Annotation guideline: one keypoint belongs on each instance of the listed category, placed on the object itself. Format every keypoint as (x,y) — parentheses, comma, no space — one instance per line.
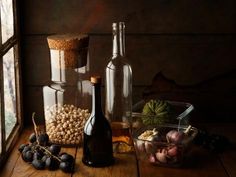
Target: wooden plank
(16,167)
(23,169)
(183,16)
(125,166)
(47,173)
(228,157)
(33,101)
(201,163)
(35,52)
(187,60)
(216,92)
(11,162)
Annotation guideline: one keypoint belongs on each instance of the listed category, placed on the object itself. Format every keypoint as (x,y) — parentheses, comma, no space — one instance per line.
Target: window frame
(13,42)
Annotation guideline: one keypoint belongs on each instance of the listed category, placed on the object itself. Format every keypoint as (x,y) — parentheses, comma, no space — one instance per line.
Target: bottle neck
(118,39)
(122,38)
(96,99)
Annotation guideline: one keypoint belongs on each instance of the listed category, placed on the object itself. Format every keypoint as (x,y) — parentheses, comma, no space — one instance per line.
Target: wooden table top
(201,164)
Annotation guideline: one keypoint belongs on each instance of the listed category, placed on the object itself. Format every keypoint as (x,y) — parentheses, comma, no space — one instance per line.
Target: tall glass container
(67,100)
(118,90)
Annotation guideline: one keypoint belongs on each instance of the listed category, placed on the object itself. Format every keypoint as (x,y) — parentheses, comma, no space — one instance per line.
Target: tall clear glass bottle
(118,91)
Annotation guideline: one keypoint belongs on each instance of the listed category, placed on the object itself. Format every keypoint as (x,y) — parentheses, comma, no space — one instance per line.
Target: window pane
(0,128)
(9,91)
(7,21)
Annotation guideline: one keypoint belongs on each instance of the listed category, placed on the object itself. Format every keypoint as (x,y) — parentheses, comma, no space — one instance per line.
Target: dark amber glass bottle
(97,147)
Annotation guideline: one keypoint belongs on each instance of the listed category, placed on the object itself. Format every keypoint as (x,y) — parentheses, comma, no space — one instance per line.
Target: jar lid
(68,41)
(96,79)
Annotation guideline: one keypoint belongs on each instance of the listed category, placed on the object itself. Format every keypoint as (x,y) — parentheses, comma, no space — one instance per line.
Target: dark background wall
(180,50)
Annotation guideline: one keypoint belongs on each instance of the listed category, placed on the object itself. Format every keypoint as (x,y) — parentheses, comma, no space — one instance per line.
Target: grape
(38,155)
(44,158)
(22,146)
(52,163)
(43,139)
(67,167)
(67,158)
(212,142)
(201,137)
(26,148)
(41,156)
(55,149)
(173,151)
(38,164)
(27,156)
(217,143)
(32,138)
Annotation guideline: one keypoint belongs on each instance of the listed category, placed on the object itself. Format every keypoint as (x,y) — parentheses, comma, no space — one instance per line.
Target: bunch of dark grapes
(213,142)
(42,155)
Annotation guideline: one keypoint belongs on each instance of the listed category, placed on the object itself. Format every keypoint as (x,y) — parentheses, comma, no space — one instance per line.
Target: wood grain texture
(228,158)
(187,60)
(125,166)
(33,101)
(213,99)
(16,167)
(198,65)
(183,16)
(200,164)
(10,164)
(56,173)
(188,41)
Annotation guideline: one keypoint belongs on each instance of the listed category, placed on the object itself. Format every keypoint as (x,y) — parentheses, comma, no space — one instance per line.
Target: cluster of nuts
(64,124)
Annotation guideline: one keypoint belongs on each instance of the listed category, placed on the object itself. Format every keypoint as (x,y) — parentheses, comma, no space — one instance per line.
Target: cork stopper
(68,41)
(68,50)
(96,79)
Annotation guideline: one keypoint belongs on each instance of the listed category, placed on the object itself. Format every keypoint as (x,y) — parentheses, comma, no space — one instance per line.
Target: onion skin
(161,156)
(173,151)
(175,136)
(152,158)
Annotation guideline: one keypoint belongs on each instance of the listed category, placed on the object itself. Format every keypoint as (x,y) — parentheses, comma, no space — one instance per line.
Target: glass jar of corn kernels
(67,100)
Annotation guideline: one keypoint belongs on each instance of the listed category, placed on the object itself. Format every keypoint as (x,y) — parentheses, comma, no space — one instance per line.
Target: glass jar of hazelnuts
(67,100)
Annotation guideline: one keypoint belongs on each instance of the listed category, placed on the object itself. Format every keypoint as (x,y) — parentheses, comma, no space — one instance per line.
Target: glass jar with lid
(67,100)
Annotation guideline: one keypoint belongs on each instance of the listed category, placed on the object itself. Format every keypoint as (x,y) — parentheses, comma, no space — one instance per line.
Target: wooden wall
(189,42)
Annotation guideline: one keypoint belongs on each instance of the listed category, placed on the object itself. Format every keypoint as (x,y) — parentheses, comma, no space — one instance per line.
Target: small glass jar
(67,100)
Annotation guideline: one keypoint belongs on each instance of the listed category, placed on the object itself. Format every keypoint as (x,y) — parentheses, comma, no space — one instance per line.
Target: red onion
(152,158)
(173,151)
(175,136)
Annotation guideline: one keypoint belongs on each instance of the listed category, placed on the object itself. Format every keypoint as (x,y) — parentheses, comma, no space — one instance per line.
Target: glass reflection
(7,22)
(9,91)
